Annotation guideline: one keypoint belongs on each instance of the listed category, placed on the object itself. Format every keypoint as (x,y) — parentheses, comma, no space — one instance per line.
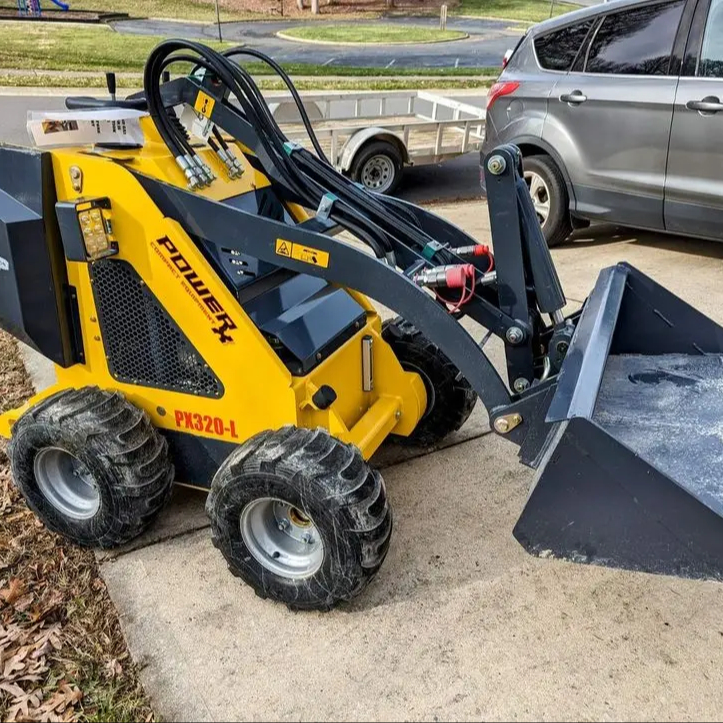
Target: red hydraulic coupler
(456,276)
(476,250)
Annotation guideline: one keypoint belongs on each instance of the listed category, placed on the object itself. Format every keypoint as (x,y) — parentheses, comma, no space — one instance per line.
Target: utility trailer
(372,136)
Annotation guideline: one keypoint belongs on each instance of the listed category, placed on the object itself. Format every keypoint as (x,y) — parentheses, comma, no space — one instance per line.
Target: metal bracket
(325,205)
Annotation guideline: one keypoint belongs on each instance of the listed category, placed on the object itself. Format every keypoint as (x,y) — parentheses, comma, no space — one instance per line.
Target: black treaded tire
(329,482)
(558,226)
(450,398)
(125,455)
(378,148)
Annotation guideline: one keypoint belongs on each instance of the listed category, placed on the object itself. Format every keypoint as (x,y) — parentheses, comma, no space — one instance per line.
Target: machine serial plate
(307,254)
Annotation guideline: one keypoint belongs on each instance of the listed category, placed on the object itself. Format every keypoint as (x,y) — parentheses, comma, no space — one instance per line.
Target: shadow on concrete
(606,234)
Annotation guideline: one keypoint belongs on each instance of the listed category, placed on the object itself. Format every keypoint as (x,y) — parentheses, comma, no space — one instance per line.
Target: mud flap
(632,473)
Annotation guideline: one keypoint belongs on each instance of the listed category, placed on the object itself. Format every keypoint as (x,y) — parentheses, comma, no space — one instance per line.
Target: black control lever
(111,83)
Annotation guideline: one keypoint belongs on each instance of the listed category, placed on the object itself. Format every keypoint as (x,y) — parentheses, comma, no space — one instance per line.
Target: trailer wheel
(450,398)
(91,466)
(300,517)
(378,166)
(549,196)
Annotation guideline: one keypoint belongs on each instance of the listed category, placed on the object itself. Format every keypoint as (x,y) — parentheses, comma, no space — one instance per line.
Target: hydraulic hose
(308,177)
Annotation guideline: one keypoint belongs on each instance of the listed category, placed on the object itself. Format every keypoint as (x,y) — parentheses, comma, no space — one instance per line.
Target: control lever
(111,83)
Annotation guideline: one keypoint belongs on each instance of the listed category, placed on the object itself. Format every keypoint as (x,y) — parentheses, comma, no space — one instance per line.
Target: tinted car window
(636,42)
(711,52)
(557,50)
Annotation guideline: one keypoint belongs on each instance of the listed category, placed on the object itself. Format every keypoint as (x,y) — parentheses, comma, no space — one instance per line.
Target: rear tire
(379,167)
(91,466)
(450,398)
(300,517)
(549,194)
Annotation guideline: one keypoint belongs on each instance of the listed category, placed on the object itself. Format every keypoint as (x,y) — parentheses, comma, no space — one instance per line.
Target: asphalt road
(453,180)
(488,40)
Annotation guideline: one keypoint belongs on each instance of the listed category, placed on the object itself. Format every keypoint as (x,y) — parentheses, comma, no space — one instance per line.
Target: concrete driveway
(460,623)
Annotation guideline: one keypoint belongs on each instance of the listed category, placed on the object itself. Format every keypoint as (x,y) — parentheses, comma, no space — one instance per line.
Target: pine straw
(62,653)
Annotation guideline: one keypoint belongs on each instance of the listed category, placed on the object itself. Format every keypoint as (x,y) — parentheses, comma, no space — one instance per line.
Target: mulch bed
(62,654)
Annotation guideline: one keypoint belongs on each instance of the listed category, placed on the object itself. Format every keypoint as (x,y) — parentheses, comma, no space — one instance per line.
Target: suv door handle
(709,104)
(575,97)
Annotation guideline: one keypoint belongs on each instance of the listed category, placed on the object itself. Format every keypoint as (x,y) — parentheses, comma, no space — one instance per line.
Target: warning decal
(307,254)
(204,104)
(283,248)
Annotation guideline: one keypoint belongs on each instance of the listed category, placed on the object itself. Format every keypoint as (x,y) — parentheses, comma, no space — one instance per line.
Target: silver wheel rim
(540,194)
(66,483)
(282,538)
(378,173)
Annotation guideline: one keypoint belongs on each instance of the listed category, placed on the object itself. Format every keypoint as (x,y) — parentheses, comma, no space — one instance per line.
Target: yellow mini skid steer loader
(184,273)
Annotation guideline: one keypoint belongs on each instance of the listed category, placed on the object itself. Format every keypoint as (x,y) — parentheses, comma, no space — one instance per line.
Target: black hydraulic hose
(309,178)
(292,89)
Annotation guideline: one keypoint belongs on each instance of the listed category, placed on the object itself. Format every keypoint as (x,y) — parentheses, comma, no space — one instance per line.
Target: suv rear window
(557,50)
(637,41)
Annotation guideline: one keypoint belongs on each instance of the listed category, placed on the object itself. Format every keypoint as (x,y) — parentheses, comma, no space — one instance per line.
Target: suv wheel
(549,196)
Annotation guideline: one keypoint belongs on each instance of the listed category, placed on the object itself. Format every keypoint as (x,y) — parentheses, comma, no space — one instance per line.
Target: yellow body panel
(258,390)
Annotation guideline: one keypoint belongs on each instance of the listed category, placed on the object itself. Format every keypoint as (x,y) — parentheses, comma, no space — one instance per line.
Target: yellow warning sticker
(307,254)
(204,104)
(283,248)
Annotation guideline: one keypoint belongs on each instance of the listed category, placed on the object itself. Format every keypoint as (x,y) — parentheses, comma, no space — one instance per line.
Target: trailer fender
(288,112)
(362,137)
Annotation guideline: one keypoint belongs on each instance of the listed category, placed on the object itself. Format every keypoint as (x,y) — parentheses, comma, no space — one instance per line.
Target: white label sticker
(73,128)
(4,264)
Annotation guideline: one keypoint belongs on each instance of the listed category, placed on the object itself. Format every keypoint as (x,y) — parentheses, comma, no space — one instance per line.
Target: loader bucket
(632,472)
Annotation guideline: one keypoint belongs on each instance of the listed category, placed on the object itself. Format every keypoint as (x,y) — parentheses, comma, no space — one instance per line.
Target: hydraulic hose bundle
(376,220)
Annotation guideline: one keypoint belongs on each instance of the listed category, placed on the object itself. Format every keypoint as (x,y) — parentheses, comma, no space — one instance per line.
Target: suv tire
(549,194)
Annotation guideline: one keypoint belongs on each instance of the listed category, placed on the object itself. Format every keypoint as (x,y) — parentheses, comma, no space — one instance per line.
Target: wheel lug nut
(284,525)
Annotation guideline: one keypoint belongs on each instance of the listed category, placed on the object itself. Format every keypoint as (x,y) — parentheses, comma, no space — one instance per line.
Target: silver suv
(617,111)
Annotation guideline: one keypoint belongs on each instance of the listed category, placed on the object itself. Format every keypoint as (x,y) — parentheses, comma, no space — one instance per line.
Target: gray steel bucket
(632,471)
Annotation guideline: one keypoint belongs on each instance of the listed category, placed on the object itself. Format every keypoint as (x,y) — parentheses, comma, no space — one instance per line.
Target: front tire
(300,517)
(91,466)
(549,196)
(450,398)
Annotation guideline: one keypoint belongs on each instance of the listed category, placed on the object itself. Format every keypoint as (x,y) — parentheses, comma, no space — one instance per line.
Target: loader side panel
(34,294)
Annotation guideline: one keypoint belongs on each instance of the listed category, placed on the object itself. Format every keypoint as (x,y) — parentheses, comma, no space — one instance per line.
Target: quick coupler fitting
(476,250)
(452,277)
(204,171)
(189,172)
(197,172)
(230,167)
(235,162)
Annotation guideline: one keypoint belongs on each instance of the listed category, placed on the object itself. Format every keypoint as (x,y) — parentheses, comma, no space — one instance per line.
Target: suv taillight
(499,89)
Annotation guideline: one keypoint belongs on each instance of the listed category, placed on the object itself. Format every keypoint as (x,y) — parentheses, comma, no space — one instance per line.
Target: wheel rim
(540,194)
(377,173)
(282,538)
(66,483)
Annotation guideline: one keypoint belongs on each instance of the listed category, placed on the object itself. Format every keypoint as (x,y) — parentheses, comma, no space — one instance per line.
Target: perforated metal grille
(143,344)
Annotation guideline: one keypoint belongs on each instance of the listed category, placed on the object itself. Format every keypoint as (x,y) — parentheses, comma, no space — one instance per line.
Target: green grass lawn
(371,33)
(310,69)
(55,46)
(265,83)
(524,10)
(178,9)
